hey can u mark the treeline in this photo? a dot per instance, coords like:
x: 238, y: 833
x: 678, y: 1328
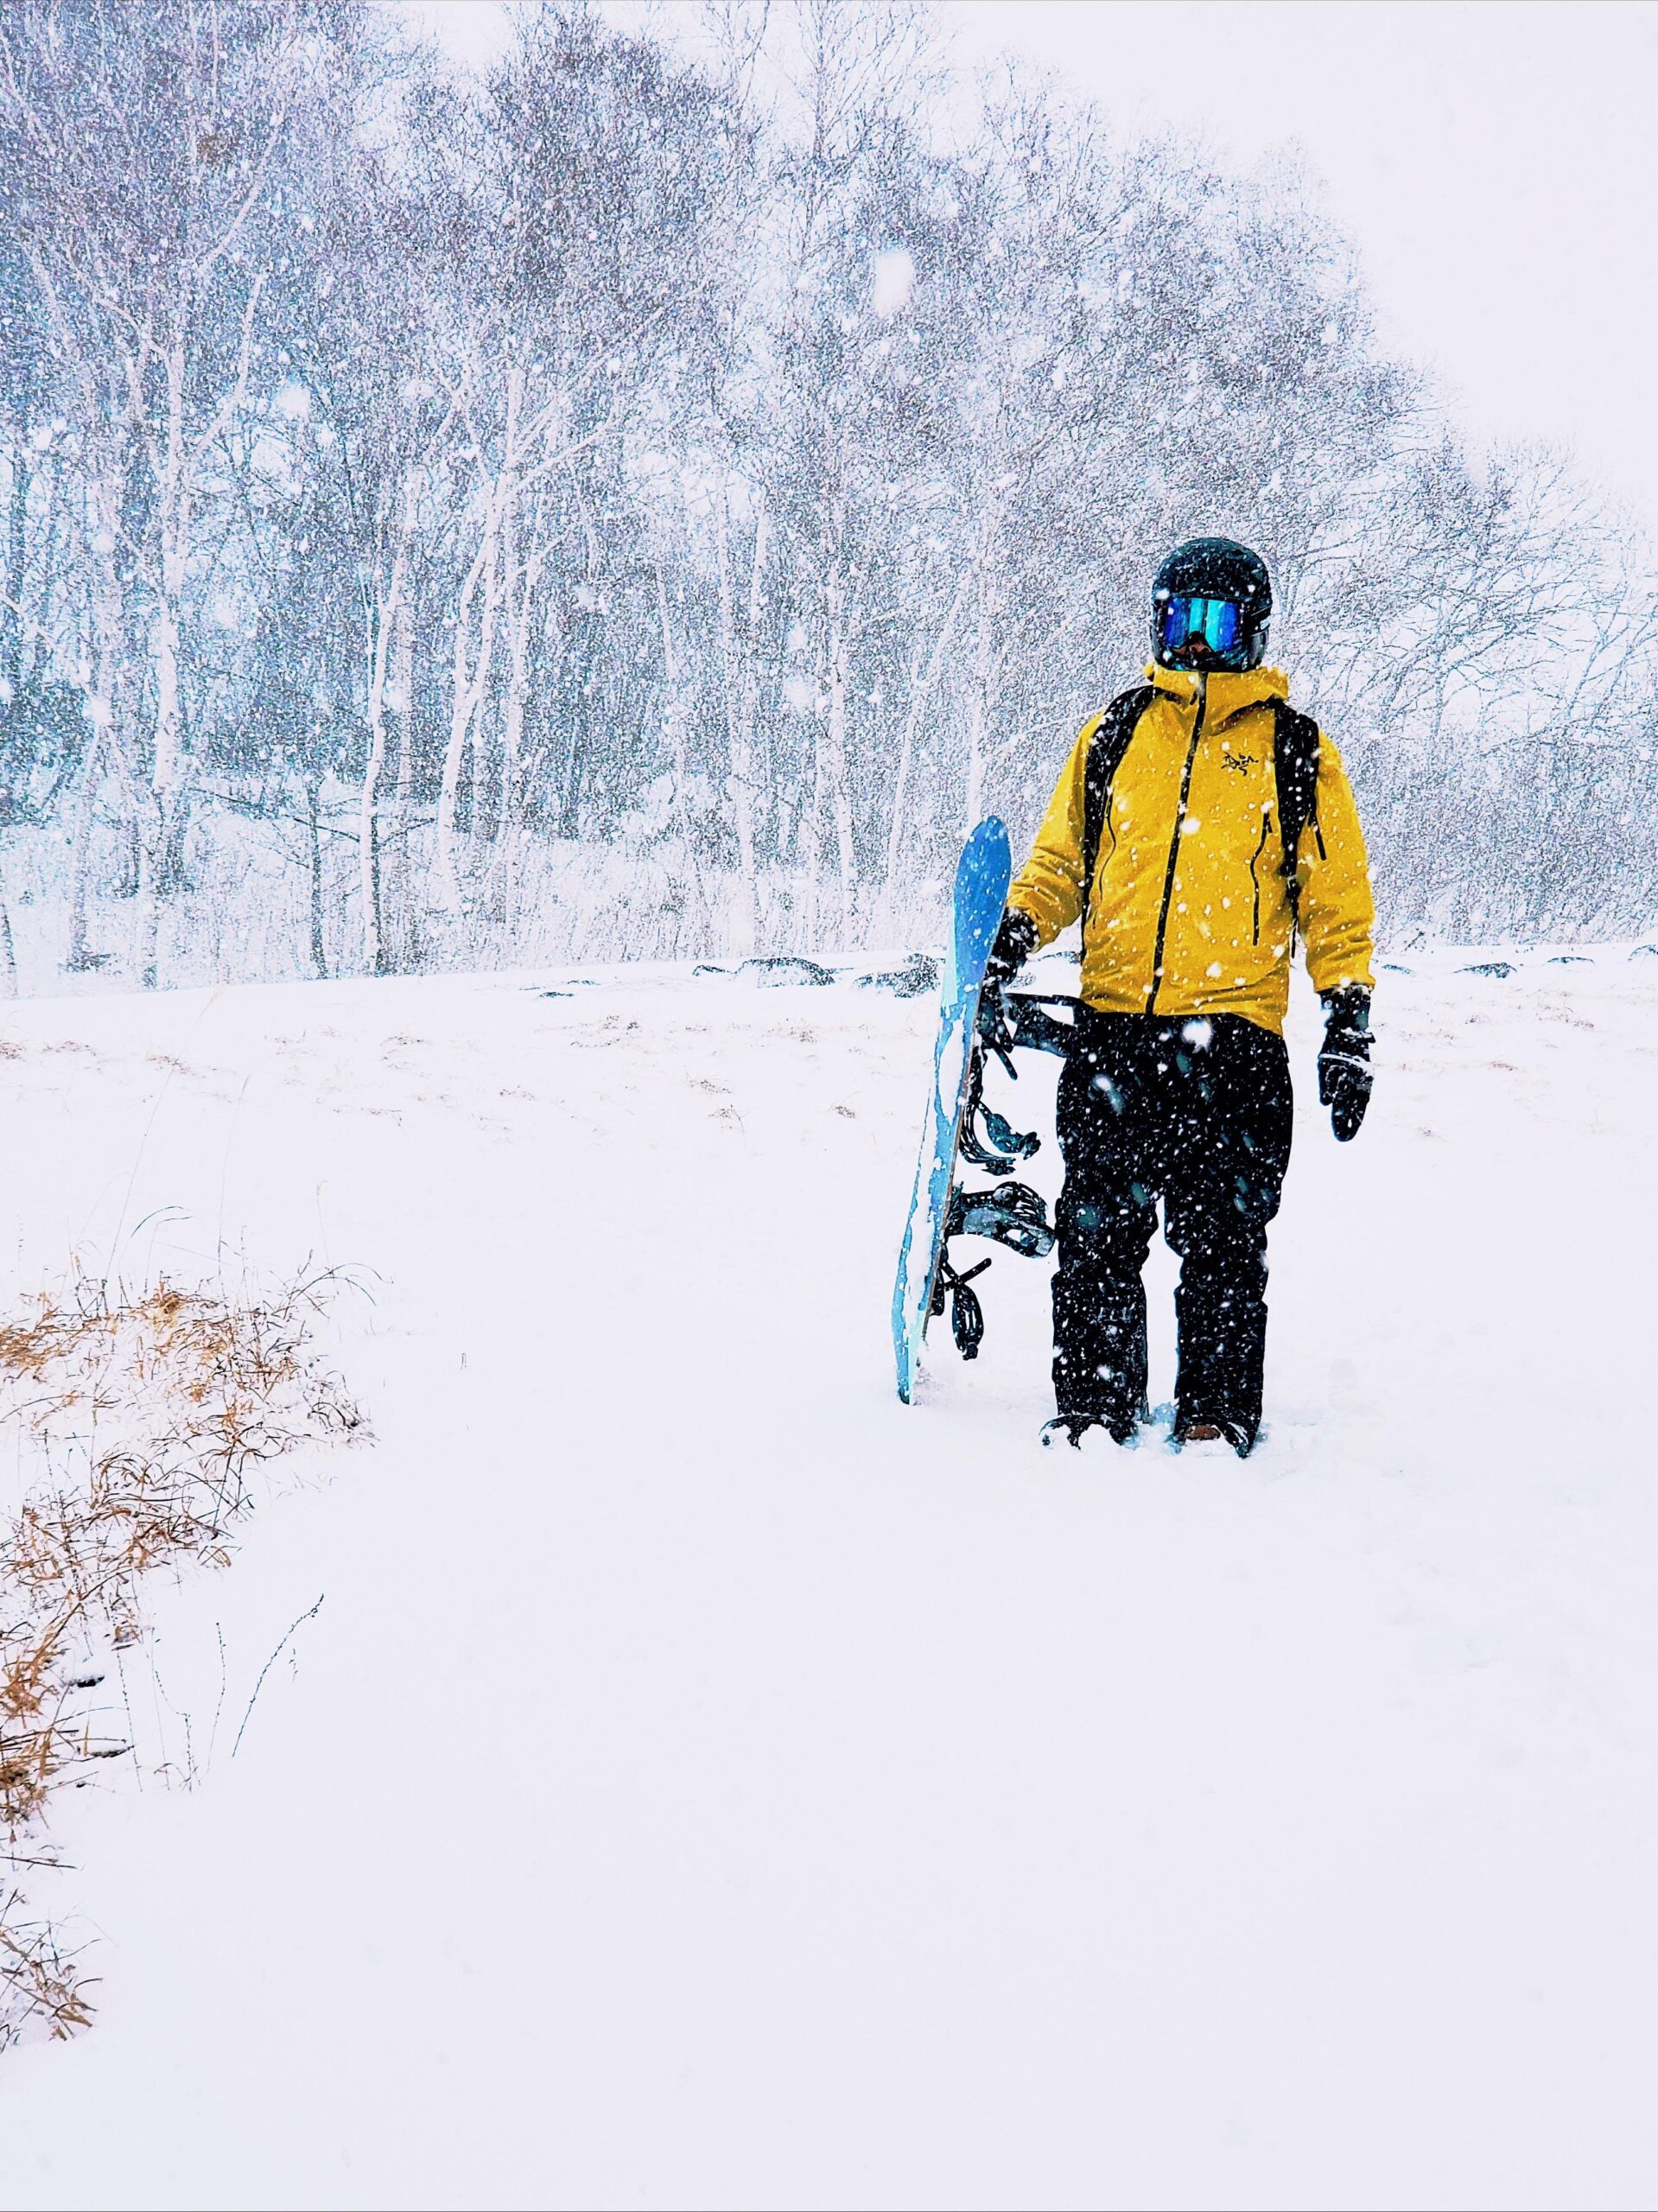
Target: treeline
x: 651, y: 498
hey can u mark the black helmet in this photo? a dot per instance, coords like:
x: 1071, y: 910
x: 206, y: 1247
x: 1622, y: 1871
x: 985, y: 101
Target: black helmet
x: 1211, y: 602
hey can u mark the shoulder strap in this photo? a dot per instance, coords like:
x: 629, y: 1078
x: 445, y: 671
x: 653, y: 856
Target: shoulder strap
x: 1112, y: 733
x: 1295, y: 767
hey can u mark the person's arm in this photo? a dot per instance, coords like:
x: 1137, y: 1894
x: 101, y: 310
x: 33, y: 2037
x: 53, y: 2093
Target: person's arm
x: 1338, y: 923
x: 1338, y: 912
x: 1046, y: 895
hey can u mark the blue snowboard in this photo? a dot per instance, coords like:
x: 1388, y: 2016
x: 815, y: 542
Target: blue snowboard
x: 981, y: 880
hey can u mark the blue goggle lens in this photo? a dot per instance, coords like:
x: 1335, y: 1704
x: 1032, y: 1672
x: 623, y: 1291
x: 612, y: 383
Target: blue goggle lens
x: 1215, y: 621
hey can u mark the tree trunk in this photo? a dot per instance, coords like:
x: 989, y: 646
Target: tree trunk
x: 833, y: 743
x: 482, y: 584
x: 468, y: 679
x: 742, y: 699
x: 396, y: 861
x: 920, y: 695
x: 501, y: 888
x: 980, y: 699
x: 81, y: 956
x: 319, y: 949
x: 172, y: 522
x: 11, y: 663
x: 149, y: 913
x: 808, y: 835
x: 368, y: 819
x: 673, y: 709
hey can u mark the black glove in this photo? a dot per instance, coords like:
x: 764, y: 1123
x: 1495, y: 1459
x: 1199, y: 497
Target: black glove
x: 1015, y: 943
x: 1344, y: 1062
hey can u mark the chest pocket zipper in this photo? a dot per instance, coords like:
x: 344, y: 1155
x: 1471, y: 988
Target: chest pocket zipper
x: 1254, y: 867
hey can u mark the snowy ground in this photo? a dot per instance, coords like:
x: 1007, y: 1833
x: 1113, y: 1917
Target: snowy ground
x: 707, y: 1782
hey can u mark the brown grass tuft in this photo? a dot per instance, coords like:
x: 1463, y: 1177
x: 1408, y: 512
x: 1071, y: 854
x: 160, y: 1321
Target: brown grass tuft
x: 150, y: 1416
x: 40, y: 1987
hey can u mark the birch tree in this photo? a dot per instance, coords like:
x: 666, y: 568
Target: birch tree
x: 152, y: 147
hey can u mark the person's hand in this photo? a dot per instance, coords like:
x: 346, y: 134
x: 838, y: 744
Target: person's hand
x: 1344, y: 1075
x: 1015, y: 943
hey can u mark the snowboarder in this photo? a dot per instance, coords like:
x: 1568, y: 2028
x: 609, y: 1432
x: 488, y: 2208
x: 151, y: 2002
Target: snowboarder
x: 1198, y: 826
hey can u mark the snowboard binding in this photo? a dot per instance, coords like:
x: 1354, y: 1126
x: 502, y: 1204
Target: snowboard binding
x: 976, y: 1018
x: 987, y: 1139
x: 1011, y: 1213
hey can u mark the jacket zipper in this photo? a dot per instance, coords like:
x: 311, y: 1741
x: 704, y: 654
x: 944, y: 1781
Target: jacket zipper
x: 1254, y: 865
x: 1174, y: 845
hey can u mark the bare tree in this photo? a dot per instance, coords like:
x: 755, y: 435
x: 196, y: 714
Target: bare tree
x: 653, y: 496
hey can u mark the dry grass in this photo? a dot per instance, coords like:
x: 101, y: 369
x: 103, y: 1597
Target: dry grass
x: 40, y: 1987
x: 148, y: 1418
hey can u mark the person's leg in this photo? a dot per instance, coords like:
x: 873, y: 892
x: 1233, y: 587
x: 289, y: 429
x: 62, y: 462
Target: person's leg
x: 1231, y: 1125
x: 1106, y: 1219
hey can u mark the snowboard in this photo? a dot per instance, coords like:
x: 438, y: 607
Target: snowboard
x: 981, y: 879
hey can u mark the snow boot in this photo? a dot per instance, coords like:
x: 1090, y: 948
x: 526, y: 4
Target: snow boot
x: 1070, y: 1428
x: 1241, y: 1440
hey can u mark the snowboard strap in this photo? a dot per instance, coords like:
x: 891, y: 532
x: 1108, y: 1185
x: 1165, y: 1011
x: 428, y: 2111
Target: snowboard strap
x: 966, y: 1313
x: 996, y: 1145
x: 1295, y: 768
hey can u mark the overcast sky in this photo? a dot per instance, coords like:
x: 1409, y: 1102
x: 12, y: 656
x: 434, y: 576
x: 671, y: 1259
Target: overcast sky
x: 1496, y: 163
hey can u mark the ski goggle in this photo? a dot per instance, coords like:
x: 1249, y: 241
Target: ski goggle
x: 1215, y: 621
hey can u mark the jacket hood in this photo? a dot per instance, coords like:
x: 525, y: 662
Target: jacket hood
x: 1229, y: 692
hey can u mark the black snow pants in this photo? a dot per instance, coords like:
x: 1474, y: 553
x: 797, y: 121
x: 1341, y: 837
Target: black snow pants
x: 1197, y: 1114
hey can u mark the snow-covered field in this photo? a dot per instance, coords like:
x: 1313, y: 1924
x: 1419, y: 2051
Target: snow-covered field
x: 706, y: 1782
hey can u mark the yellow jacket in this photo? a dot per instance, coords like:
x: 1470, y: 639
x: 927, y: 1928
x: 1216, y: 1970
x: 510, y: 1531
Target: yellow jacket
x: 1189, y: 913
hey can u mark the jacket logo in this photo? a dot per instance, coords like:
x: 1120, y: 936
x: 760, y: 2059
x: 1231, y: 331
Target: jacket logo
x: 1242, y: 761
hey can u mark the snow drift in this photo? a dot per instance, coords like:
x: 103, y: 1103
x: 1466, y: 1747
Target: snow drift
x: 707, y: 1782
